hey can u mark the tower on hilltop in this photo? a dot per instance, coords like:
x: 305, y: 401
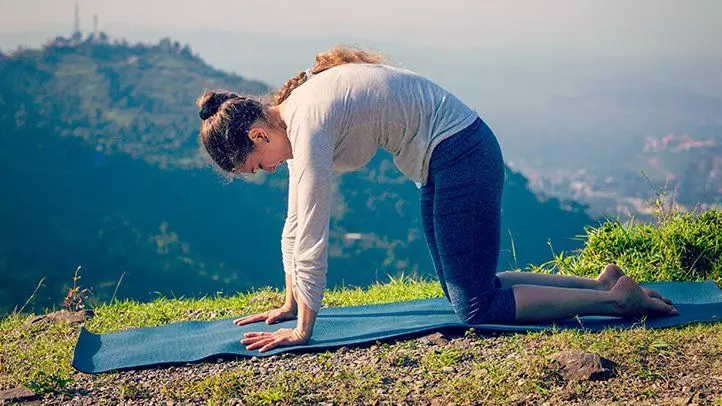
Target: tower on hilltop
x: 77, y: 35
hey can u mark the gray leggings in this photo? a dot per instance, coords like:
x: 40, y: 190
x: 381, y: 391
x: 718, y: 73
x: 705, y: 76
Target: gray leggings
x: 461, y: 211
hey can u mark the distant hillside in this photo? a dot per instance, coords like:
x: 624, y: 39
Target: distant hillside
x: 694, y: 164
x: 685, y: 168
x: 101, y: 168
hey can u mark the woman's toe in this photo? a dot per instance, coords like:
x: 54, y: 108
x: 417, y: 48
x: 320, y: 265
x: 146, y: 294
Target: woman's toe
x: 661, y: 307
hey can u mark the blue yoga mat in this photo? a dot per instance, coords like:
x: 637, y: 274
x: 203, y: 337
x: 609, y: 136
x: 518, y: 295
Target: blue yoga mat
x: 191, y: 341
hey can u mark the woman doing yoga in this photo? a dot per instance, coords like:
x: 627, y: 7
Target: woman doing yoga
x: 333, y: 118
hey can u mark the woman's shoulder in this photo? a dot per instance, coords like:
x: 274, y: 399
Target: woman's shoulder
x: 342, y: 80
x: 366, y: 68
x: 330, y: 89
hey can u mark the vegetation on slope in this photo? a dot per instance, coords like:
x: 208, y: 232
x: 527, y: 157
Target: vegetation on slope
x: 669, y: 365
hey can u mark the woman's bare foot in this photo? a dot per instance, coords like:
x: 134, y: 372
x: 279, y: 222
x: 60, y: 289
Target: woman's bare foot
x: 633, y: 301
x: 611, y: 274
x: 609, y: 277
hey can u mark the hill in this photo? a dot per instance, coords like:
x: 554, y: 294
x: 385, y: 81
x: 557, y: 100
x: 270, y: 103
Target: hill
x: 101, y: 169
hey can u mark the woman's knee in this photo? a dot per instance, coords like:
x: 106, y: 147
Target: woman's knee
x: 497, y: 306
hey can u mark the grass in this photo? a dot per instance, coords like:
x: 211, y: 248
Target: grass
x: 680, y: 247
x: 509, y: 368
x: 441, y: 358
x: 39, y: 355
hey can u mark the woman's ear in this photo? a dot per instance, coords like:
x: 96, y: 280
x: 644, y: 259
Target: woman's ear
x: 257, y: 134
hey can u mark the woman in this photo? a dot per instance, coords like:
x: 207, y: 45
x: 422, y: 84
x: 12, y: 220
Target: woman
x: 333, y: 118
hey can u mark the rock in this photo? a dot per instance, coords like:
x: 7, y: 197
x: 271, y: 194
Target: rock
x: 582, y: 366
x: 434, y: 339
x: 74, y: 318
x: 18, y: 395
x: 448, y: 369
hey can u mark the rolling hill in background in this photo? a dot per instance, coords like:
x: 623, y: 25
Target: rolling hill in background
x: 101, y: 169
x: 574, y: 122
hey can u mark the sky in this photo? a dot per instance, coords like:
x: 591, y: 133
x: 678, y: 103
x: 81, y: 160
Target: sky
x: 584, y: 74
x: 609, y: 26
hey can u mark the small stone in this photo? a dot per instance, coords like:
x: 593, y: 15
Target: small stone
x: 448, y: 369
x: 73, y: 318
x: 582, y: 366
x: 17, y: 395
x: 434, y: 339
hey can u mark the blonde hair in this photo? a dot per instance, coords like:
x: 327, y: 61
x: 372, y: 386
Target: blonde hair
x: 336, y: 56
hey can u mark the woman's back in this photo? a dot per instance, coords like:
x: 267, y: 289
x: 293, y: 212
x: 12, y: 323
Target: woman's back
x: 366, y: 106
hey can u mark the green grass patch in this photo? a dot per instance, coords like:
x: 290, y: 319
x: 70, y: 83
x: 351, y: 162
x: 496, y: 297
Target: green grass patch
x: 687, y: 246
x: 35, y: 356
x: 350, y: 387
x: 441, y: 358
x: 679, y: 247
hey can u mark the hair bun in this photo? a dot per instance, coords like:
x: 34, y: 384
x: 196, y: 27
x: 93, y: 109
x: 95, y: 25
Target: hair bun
x: 211, y: 101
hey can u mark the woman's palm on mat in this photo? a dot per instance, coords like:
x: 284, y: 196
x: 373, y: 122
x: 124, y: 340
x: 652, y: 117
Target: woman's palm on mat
x: 269, y: 340
x: 282, y: 313
x: 265, y: 341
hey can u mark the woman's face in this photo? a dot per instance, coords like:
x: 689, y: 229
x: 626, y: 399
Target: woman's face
x: 272, y: 147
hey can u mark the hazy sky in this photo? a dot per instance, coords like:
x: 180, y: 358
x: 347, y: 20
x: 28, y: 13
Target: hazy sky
x: 608, y: 26
x: 577, y: 73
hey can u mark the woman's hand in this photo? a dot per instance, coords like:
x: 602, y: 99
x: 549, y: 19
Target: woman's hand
x: 279, y: 338
x: 272, y: 316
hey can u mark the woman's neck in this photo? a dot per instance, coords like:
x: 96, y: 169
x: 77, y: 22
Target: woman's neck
x: 276, y: 115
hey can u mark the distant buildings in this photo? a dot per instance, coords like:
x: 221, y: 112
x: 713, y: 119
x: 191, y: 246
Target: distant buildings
x: 353, y: 236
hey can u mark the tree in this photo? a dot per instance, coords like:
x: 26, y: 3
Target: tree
x: 165, y: 45
x: 186, y: 52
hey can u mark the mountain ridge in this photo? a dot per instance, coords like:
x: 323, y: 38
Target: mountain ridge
x: 138, y: 199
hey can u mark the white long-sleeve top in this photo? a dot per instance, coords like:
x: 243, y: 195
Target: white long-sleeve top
x: 336, y: 121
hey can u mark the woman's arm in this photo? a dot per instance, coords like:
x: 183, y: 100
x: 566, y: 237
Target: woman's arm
x: 288, y: 239
x: 306, y: 320
x: 289, y: 309
x: 311, y: 178
x: 291, y: 302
